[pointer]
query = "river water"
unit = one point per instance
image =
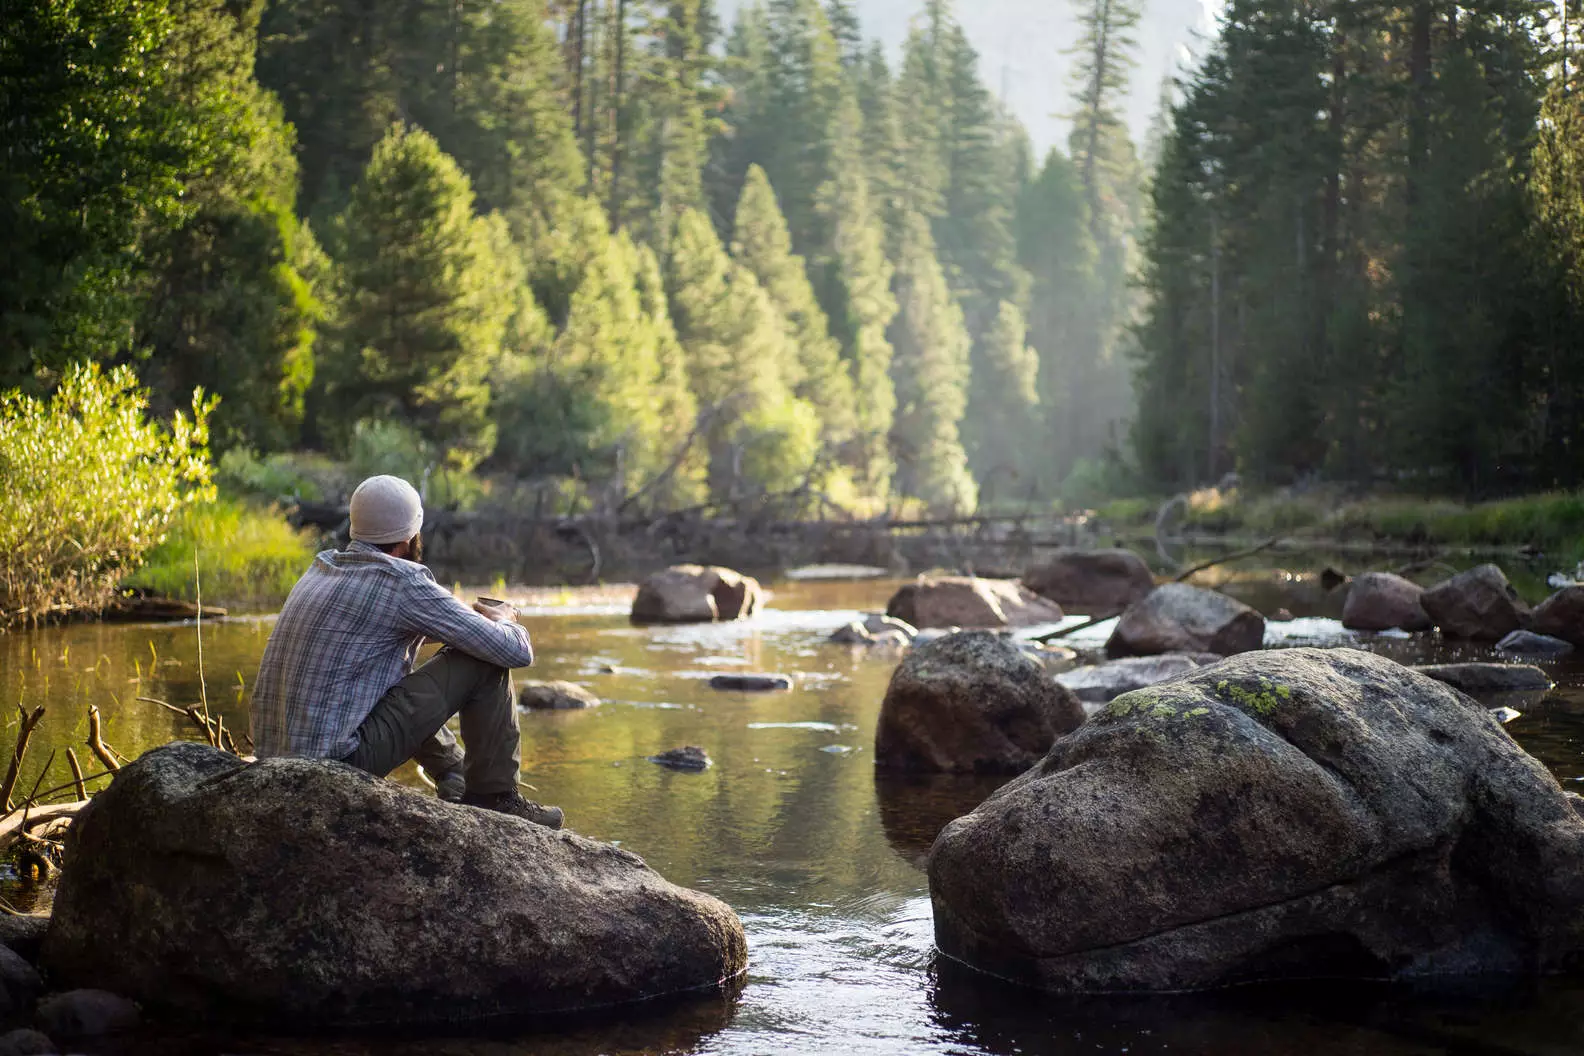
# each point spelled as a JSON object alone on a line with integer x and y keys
{"x": 791, "y": 828}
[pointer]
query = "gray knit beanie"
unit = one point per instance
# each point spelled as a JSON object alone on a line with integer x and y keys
{"x": 386, "y": 510}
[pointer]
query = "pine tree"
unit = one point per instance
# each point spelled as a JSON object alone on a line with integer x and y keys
{"x": 761, "y": 437}
{"x": 857, "y": 278}
{"x": 930, "y": 371}
{"x": 97, "y": 145}
{"x": 480, "y": 78}
{"x": 763, "y": 245}
{"x": 424, "y": 298}
{"x": 1065, "y": 318}
{"x": 233, "y": 303}
{"x": 604, "y": 397}
{"x": 1003, "y": 411}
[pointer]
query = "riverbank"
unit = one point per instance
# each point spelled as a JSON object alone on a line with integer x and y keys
{"x": 1551, "y": 523}
{"x": 242, "y": 554}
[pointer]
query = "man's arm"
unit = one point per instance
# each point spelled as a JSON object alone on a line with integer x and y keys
{"x": 430, "y": 610}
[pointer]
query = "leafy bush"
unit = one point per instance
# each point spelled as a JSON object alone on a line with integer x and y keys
{"x": 90, "y": 486}
{"x": 247, "y": 555}
{"x": 275, "y": 477}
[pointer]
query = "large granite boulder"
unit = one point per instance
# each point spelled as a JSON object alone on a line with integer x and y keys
{"x": 1177, "y": 618}
{"x": 1382, "y": 601}
{"x": 1092, "y": 582}
{"x": 696, "y": 594}
{"x": 1478, "y": 604}
{"x": 1561, "y": 616}
{"x": 310, "y": 893}
{"x": 1296, "y": 813}
{"x": 967, "y": 601}
{"x": 971, "y": 703}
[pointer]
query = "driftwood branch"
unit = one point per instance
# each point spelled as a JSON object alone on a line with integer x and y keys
{"x": 211, "y": 726}
{"x": 24, "y": 734}
{"x": 77, "y": 774}
{"x": 1074, "y": 629}
{"x": 1229, "y": 558}
{"x": 96, "y": 741}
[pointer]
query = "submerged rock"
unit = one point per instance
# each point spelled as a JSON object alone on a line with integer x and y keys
{"x": 878, "y": 623}
{"x": 1478, "y": 604}
{"x": 1561, "y": 616}
{"x": 692, "y": 757}
{"x": 87, "y": 1013}
{"x": 964, "y": 601}
{"x": 854, "y": 633}
{"x": 1383, "y": 601}
{"x": 696, "y": 594}
{"x": 1528, "y": 643}
{"x": 1297, "y": 813}
{"x": 971, "y": 703}
{"x": 1103, "y": 683}
{"x": 19, "y": 984}
{"x": 25, "y": 1042}
{"x": 1475, "y": 679}
{"x": 1092, "y": 582}
{"x": 1178, "y": 618}
{"x": 23, "y": 933}
{"x": 752, "y": 683}
{"x": 308, "y": 892}
{"x": 876, "y": 629}
{"x": 555, "y": 696}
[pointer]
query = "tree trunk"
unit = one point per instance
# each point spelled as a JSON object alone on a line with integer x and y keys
{"x": 617, "y": 101}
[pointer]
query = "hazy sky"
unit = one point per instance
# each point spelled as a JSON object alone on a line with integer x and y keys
{"x": 1021, "y": 45}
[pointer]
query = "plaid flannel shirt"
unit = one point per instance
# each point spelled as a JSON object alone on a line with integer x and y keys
{"x": 350, "y": 630}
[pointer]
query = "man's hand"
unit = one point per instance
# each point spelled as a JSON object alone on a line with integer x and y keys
{"x": 496, "y": 613}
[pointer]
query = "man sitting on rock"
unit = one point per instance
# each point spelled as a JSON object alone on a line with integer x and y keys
{"x": 337, "y": 678}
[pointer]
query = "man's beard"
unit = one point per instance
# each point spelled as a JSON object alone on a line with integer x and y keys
{"x": 415, "y": 554}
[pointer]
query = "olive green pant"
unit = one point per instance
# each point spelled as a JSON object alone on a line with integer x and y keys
{"x": 409, "y": 722}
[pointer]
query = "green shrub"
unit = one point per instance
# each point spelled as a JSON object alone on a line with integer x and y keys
{"x": 276, "y": 477}
{"x": 90, "y": 485}
{"x": 247, "y": 556}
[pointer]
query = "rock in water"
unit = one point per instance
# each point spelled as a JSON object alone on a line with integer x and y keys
{"x": 308, "y": 892}
{"x": 1488, "y": 678}
{"x": 878, "y": 623}
{"x": 1300, "y": 813}
{"x": 692, "y": 757}
{"x": 966, "y": 601}
{"x": 1382, "y": 601}
{"x": 1528, "y": 643}
{"x": 86, "y": 1013}
{"x": 1479, "y": 604}
{"x": 1103, "y": 683}
{"x": 1092, "y": 582}
{"x": 555, "y": 696}
{"x": 1561, "y": 616}
{"x": 854, "y": 633}
{"x": 971, "y": 703}
{"x": 1177, "y": 618}
{"x": 695, "y": 594}
{"x": 752, "y": 683}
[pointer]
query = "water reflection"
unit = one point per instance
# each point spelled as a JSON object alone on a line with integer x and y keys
{"x": 792, "y": 828}
{"x": 914, "y": 808}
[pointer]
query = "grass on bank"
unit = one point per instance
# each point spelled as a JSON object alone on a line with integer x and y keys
{"x": 248, "y": 555}
{"x": 1551, "y": 522}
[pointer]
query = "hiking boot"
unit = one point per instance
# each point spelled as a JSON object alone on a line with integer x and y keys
{"x": 515, "y": 804}
{"x": 450, "y": 787}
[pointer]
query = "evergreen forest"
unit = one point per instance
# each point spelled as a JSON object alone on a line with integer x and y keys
{"x": 665, "y": 262}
